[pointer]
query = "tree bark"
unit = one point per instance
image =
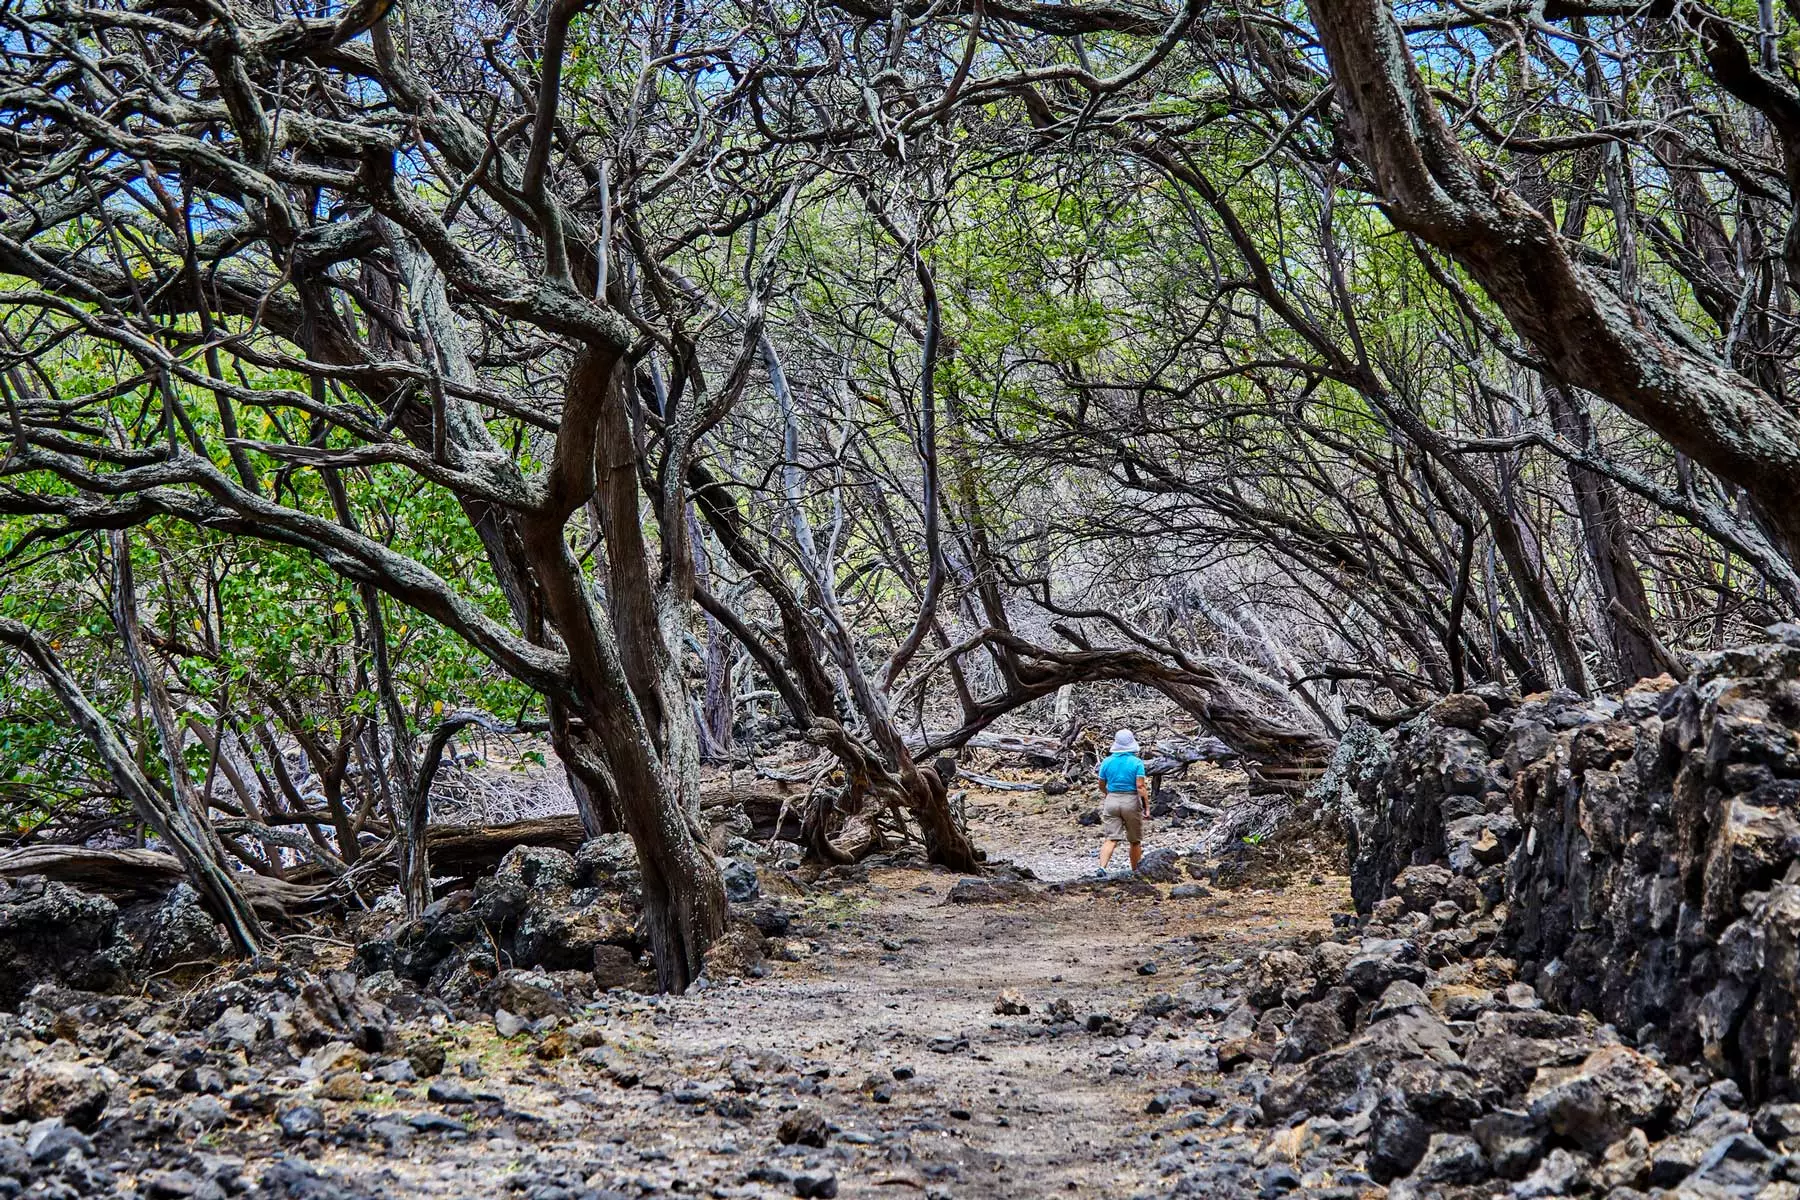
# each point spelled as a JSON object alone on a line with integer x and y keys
{"x": 1591, "y": 336}
{"x": 1617, "y": 580}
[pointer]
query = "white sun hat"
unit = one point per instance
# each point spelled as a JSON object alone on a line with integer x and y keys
{"x": 1125, "y": 742}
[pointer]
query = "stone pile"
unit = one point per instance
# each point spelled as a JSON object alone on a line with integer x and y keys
{"x": 1642, "y": 853}
{"x": 53, "y": 933}
{"x": 1576, "y": 966}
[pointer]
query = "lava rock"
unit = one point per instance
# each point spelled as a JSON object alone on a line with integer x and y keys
{"x": 804, "y": 1127}
{"x": 816, "y": 1183}
{"x": 1398, "y": 1139}
{"x": 1461, "y": 710}
{"x": 1594, "y": 1104}
{"x": 741, "y": 884}
{"x": 1423, "y": 886}
{"x": 41, "y": 1088}
{"x": 1561, "y": 1173}
{"x": 1381, "y": 961}
{"x": 300, "y": 1120}
{"x": 1513, "y": 1141}
{"x": 541, "y": 867}
{"x": 1161, "y": 865}
{"x": 182, "y": 935}
{"x": 1316, "y": 1028}
{"x": 50, "y": 1141}
{"x": 448, "y": 1091}
{"x": 1452, "y": 1158}
{"x": 51, "y": 932}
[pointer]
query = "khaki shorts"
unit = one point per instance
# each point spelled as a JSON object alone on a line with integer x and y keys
{"x": 1123, "y": 818}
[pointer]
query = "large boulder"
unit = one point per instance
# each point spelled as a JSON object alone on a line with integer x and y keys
{"x": 542, "y": 867}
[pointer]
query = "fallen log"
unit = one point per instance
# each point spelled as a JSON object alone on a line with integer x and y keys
{"x": 765, "y": 799}
{"x": 1201, "y": 749}
{"x": 1041, "y": 751}
{"x": 473, "y": 849}
{"x": 998, "y": 785}
{"x": 133, "y": 875}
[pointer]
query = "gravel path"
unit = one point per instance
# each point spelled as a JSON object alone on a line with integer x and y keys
{"x": 888, "y": 1033}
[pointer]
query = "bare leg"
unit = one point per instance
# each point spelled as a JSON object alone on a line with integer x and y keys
{"x": 1106, "y": 852}
{"x": 1137, "y": 852}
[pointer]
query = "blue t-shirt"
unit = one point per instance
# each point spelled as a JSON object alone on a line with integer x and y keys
{"x": 1120, "y": 772}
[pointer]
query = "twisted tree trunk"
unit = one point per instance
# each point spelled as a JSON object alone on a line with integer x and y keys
{"x": 1592, "y": 336}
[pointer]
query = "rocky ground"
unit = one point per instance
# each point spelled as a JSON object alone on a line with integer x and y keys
{"x": 907, "y": 1032}
{"x": 1224, "y": 1024}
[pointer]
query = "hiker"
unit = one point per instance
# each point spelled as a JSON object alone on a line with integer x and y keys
{"x": 1127, "y": 798}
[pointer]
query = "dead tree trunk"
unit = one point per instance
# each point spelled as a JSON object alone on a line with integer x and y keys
{"x": 1604, "y": 533}
{"x": 185, "y": 831}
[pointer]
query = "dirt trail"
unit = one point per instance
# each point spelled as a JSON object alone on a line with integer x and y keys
{"x": 902, "y": 983}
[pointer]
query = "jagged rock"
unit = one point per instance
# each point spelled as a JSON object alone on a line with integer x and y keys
{"x": 1513, "y": 1141}
{"x": 558, "y": 937}
{"x": 50, "y": 1140}
{"x": 609, "y": 860}
{"x": 336, "y": 1008}
{"x": 1452, "y": 1158}
{"x": 1398, "y": 1139}
{"x": 1779, "y": 1125}
{"x": 1279, "y": 976}
{"x": 1643, "y": 852}
{"x": 1674, "y": 1159}
{"x": 40, "y": 1089}
{"x": 804, "y": 1127}
{"x": 1422, "y": 886}
{"x": 532, "y": 995}
{"x": 735, "y": 954}
{"x": 741, "y": 884}
{"x": 1381, "y": 961}
{"x": 235, "y": 1027}
{"x": 1736, "y": 1165}
{"x": 1402, "y": 993}
{"x": 1329, "y": 960}
{"x": 1447, "y": 1094}
{"x": 1161, "y": 865}
{"x": 180, "y": 934}
{"x": 1460, "y": 710}
{"x": 1626, "y": 1162}
{"x": 542, "y": 867}
{"x": 541, "y": 924}
{"x": 1340, "y": 1082}
{"x": 1559, "y": 1174}
{"x": 51, "y": 931}
{"x": 1318, "y": 1027}
{"x": 1596, "y": 1103}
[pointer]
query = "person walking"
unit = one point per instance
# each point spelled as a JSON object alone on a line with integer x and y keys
{"x": 1126, "y": 801}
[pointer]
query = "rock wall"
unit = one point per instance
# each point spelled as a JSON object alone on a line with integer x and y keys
{"x": 1639, "y": 855}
